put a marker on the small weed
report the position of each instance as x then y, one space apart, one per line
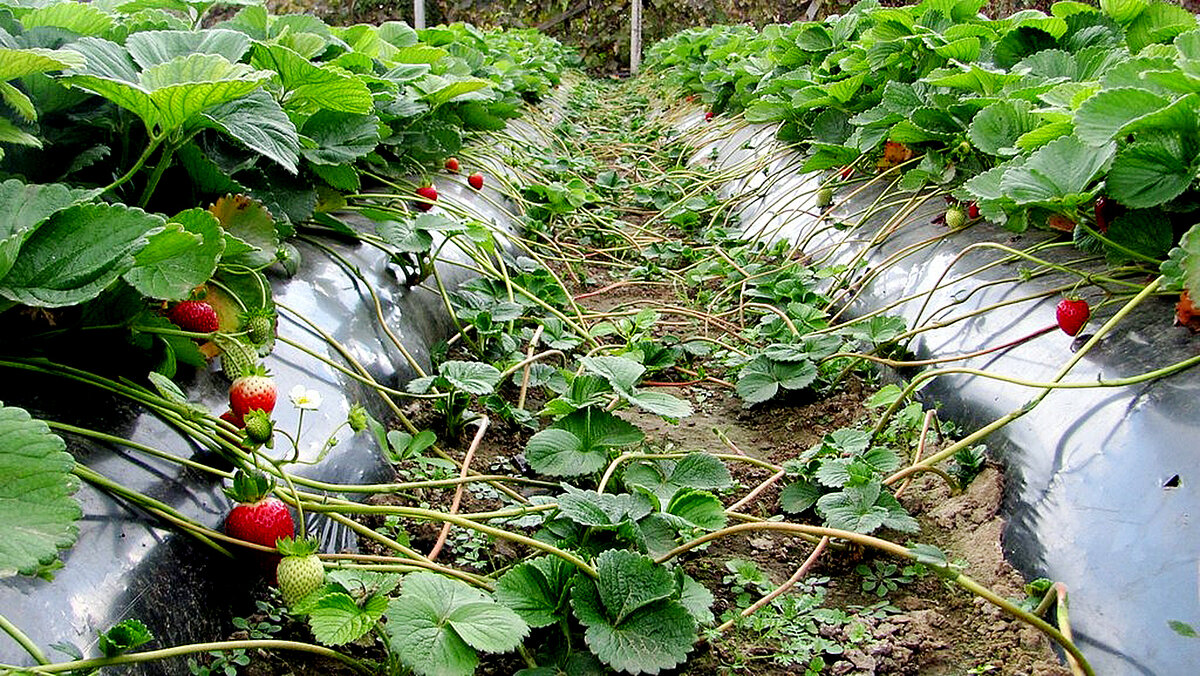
884 577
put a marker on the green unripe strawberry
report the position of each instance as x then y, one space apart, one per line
259 428
259 326
357 418
955 218
824 197
237 358
300 573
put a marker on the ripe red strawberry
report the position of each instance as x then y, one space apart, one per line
429 193
708 116
300 573
252 391
847 171
1072 315
452 165
194 315
257 517
476 180
972 210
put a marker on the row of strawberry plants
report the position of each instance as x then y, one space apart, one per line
108 104
120 118
1080 120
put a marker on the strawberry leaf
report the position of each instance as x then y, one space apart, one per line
537 590
631 623
37 510
178 258
436 625
25 207
336 619
78 253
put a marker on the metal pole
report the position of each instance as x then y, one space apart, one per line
418 14
635 37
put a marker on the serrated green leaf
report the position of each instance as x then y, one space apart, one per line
336 619
696 598
470 376
698 508
179 258
556 452
24 207
77 253
425 620
251 235
123 637
798 496
1148 175
37 510
150 48
654 638
1144 231
761 379
629 581
1064 168
664 478
257 122
620 372
79 18
659 403
1102 116
488 626
995 129
340 138
320 85
15 63
601 510
537 590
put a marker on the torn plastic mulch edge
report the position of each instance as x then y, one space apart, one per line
125 564
1099 490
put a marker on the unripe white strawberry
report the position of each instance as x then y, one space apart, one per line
300 573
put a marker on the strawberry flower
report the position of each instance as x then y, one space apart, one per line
304 398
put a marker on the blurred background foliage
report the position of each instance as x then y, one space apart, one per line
599 29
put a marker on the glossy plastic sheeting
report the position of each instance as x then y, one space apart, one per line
1101 491
126 565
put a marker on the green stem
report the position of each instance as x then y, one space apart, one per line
137 166
190 649
23 639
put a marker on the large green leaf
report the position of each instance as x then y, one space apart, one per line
631 623
1102 116
470 376
79 18
166 95
150 48
336 619
664 477
1149 174
303 81
439 90
15 63
180 257
761 379
1063 169
23 207
601 510
579 443
77 254
995 129
37 510
537 590
436 624
340 138
257 122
